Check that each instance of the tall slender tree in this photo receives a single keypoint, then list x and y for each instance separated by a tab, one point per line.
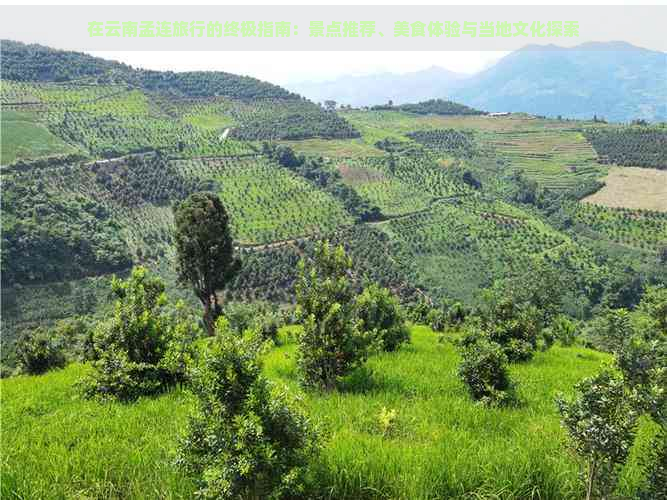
205	251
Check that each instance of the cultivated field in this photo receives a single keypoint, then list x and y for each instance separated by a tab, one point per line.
627	187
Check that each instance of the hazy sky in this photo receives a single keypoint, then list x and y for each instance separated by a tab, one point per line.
286	67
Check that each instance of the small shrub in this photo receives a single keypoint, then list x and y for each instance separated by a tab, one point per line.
38	351
418	311
654	305
331	344
456	313
382	318
258	316
241	316
76	334
244	440
269	324
547	339
143	348
387	420
601	423
436	319
564	330
609	331
483	369
513	326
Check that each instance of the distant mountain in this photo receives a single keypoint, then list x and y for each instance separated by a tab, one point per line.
615	80
380	88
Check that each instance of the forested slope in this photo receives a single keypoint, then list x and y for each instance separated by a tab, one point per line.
433	199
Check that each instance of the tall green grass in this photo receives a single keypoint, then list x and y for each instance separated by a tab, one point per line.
440	445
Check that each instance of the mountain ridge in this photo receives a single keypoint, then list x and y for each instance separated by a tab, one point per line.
615	80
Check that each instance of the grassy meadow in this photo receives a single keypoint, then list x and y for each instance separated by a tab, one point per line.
24	137
437	444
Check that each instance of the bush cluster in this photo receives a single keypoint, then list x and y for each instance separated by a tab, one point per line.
483	369
381	317
37	351
142	349
262	317
244	439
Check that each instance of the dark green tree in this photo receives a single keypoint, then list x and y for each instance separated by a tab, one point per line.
205	251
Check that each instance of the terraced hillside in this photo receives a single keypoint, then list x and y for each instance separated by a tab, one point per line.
555	159
94	155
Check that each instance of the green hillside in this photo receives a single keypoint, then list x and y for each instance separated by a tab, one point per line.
435	448
487	240
464	199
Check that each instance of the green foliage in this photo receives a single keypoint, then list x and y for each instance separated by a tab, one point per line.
48	236
291	120
564	330
435	318
654	305
127	450
643	230
259	317
445	140
77	336
23	62
630	146
483	369
641	352
38	351
325	178
267	203
526	189
556	159
148	178
381	317
514	326
142	349
331	344
244	439
601	423
241	316
610	329
24	137
656	466
115	120
205	255
418	310
433	106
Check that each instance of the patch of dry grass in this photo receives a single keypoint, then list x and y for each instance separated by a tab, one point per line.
632	187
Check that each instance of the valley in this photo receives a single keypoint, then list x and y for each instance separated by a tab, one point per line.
492	236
